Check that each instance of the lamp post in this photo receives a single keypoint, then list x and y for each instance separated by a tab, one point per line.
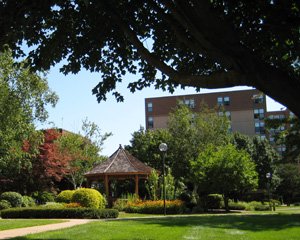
268	176
163	147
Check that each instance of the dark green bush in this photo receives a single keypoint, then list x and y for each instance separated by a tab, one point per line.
88	213
14	198
65	196
43	197
88	197
4	204
211	201
28	201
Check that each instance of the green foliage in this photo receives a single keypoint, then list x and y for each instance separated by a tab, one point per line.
211	201
14	198
261	41
89	213
152	185
65	196
89	198
170	185
43	197
82	150
265	158
52	205
28	201
237	205
144	146
24	96
289	186
4	204
224	170
190	133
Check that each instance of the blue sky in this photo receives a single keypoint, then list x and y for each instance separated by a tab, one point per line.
76	103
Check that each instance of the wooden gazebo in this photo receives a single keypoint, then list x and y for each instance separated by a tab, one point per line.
120	165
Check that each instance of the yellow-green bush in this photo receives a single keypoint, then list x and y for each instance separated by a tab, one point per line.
88	197
65	196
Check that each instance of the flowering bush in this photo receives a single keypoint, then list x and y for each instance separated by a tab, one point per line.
72	205
155	207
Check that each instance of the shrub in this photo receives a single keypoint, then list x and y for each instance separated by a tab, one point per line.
65	196
120	204
52	205
237	205
89	213
14	198
72	205
211	201
4	204
43	197
156	207
258	206
88	197
28	201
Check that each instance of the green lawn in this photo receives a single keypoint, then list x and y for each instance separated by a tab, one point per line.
237	227
6	224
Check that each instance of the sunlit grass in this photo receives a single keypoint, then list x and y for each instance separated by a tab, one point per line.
205	227
6	224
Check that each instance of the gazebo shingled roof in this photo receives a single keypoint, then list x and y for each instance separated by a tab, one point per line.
120	163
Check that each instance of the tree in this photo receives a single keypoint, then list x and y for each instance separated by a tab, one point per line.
265	158
289	186
82	152
224	170
144	146
24	96
190	134
204	44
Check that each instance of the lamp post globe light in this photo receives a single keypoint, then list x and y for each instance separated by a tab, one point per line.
163	147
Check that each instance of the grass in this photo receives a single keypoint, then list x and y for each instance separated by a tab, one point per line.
6	224
225	227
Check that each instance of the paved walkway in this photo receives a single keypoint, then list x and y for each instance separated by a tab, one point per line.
6	234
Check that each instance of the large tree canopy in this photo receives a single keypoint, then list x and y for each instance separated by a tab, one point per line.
199	43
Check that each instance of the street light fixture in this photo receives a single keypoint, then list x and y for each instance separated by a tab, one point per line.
163	147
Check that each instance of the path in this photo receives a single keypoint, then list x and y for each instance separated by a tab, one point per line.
7	234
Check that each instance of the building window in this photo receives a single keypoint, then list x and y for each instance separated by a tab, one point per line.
226	101
150	122
258	98
220	101
259	113
149	106
223	101
189	102
260	128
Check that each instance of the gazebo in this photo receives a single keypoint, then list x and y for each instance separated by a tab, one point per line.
120	165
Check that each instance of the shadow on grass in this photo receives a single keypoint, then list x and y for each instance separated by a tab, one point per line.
245	222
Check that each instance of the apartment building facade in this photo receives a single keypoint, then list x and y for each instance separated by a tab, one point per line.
246	109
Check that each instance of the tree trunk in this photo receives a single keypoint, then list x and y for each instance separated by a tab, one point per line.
226	201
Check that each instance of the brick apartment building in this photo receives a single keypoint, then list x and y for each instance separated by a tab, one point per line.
246	110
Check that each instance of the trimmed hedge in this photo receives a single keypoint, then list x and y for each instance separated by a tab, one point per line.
88	213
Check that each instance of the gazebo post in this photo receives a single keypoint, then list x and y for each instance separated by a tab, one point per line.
137	185
106	185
